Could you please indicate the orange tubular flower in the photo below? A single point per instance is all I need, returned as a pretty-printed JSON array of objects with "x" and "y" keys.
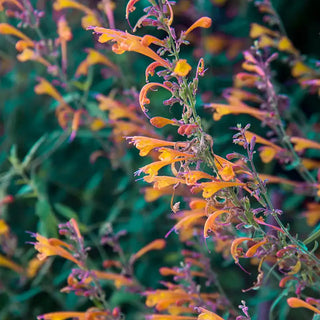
[
  {"x": 5, "y": 262},
  {"x": 210, "y": 188},
  {"x": 125, "y": 41},
  {"x": 210, "y": 223},
  {"x": 93, "y": 57},
  {"x": 168, "y": 317},
  {"x": 145, "y": 144},
  {"x": 167, "y": 154},
  {"x": 153, "y": 168},
  {"x": 130, "y": 7},
  {"x": 160, "y": 122},
  {"x": 157, "y": 244},
  {"x": 143, "y": 100},
  {"x": 193, "y": 176},
  {"x": 63, "y": 315},
  {"x": 161, "y": 182},
  {"x": 88, "y": 20},
  {"x": 252, "y": 250},
  {"x": 118, "y": 279},
  {"x": 54, "y": 247},
  {"x": 204, "y": 22},
  {"x": 65, "y": 35},
  {"x": 224, "y": 109},
  {"x": 301, "y": 144},
  {"x": 257, "y": 30},
  {"x": 162, "y": 299},
  {"x": 188, "y": 220},
  {"x": 298, "y": 303},
  {"x": 208, "y": 315},
  {"x": 45, "y": 87},
  {"x": 234, "y": 247},
  {"x": 6, "y": 28}
]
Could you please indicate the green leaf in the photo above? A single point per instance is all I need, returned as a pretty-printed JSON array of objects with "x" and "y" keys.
[{"x": 47, "y": 221}]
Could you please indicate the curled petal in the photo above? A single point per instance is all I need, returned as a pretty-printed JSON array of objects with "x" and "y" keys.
[
  {"x": 252, "y": 250},
  {"x": 143, "y": 100},
  {"x": 284, "y": 280},
  {"x": 204, "y": 22},
  {"x": 130, "y": 7},
  {"x": 210, "y": 223},
  {"x": 151, "y": 68},
  {"x": 234, "y": 247},
  {"x": 147, "y": 40}
]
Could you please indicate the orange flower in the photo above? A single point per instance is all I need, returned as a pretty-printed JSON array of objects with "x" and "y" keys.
[
  {"x": 130, "y": 7},
  {"x": 53, "y": 247},
  {"x": 286, "y": 45},
  {"x": 312, "y": 214},
  {"x": 45, "y": 87},
  {"x": 298, "y": 303},
  {"x": 161, "y": 182},
  {"x": 168, "y": 317},
  {"x": 93, "y": 57},
  {"x": 7, "y": 263},
  {"x": 210, "y": 223},
  {"x": 118, "y": 279},
  {"x": 6, "y": 28},
  {"x": 234, "y": 247},
  {"x": 157, "y": 244},
  {"x": 257, "y": 30},
  {"x": 187, "y": 220},
  {"x": 28, "y": 54},
  {"x": 127, "y": 42},
  {"x": 33, "y": 267},
  {"x": 145, "y": 144},
  {"x": 253, "y": 249},
  {"x": 153, "y": 168},
  {"x": 300, "y": 69},
  {"x": 301, "y": 144},
  {"x": 88, "y": 20},
  {"x": 210, "y": 188},
  {"x": 182, "y": 68},
  {"x": 63, "y": 315},
  {"x": 284, "y": 280},
  {"x": 160, "y": 122},
  {"x": 167, "y": 154},
  {"x": 244, "y": 79},
  {"x": 223, "y": 109},
  {"x": 207, "y": 315},
  {"x": 4, "y": 228},
  {"x": 161, "y": 299},
  {"x": 204, "y": 22},
  {"x": 65, "y": 35},
  {"x": 267, "y": 152},
  {"x": 143, "y": 100},
  {"x": 193, "y": 176}
]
